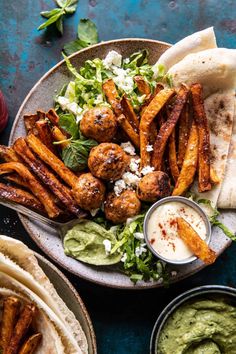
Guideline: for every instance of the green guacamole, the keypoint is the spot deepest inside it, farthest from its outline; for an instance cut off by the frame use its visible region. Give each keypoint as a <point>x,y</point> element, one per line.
<point>205,326</point>
<point>85,243</point>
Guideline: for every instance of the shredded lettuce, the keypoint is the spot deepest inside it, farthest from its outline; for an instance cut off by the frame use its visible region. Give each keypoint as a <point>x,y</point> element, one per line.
<point>213,218</point>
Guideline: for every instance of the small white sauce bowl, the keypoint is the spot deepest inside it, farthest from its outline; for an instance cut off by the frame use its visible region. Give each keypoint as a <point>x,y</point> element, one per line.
<point>187,202</point>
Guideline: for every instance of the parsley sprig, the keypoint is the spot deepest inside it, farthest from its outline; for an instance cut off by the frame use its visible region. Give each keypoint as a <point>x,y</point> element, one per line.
<point>65,7</point>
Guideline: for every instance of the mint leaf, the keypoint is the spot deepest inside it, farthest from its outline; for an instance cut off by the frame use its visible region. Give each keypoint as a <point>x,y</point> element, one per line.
<point>75,155</point>
<point>59,25</point>
<point>51,20</point>
<point>48,14</point>
<point>87,31</point>
<point>68,123</point>
<point>74,46</point>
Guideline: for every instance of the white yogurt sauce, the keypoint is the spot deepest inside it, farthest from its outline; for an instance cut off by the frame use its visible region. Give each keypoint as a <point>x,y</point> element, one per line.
<point>162,229</point>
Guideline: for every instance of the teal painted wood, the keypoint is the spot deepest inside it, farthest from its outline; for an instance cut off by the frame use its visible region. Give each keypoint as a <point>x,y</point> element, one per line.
<point>123,320</point>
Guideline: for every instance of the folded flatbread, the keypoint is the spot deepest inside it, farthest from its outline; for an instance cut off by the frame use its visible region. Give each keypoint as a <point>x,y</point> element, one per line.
<point>215,69</point>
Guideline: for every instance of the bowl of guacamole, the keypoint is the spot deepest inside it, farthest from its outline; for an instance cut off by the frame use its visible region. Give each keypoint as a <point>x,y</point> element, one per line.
<point>199,321</point>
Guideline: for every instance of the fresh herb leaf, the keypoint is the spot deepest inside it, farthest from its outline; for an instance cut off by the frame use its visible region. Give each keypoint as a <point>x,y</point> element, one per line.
<point>51,20</point>
<point>67,122</point>
<point>67,4</point>
<point>48,14</point>
<point>75,155</point>
<point>87,31</point>
<point>169,80</point>
<point>215,221</point>
<point>74,46</point>
<point>59,25</point>
<point>137,59</point>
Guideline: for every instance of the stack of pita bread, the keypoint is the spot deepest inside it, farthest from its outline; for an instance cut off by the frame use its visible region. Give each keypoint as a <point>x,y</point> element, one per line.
<point>197,58</point>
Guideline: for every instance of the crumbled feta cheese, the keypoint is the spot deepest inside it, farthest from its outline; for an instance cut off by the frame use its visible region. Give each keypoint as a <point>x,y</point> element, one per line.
<point>141,99</point>
<point>146,170</point>
<point>139,235</point>
<point>107,245</point>
<point>140,249</point>
<point>99,99</point>
<point>93,212</point>
<point>63,102</point>
<point>128,147</point>
<point>123,80</point>
<point>134,166</point>
<point>126,60</point>
<point>124,257</point>
<point>129,220</point>
<point>149,148</point>
<point>130,178</point>
<point>72,107</point>
<point>120,185</point>
<point>112,58</point>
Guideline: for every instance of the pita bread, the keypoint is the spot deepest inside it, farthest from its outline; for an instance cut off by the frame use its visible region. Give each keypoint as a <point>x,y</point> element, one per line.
<point>17,260</point>
<point>196,42</point>
<point>215,69</point>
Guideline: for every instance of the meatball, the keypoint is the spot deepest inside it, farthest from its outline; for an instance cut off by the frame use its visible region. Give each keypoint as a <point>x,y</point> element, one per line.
<point>119,208</point>
<point>108,161</point>
<point>99,123</point>
<point>89,192</point>
<point>153,186</point>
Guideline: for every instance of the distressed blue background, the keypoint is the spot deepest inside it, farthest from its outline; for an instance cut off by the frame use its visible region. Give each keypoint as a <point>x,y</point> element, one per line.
<point>123,320</point>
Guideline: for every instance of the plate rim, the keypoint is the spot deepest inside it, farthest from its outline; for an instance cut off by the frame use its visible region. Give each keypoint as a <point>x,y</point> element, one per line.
<point>24,220</point>
<point>75,294</point>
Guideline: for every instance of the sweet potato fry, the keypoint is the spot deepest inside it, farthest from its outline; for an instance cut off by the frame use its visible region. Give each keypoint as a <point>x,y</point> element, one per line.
<point>213,176</point>
<point>21,328</point>
<point>8,154</point>
<point>129,113</point>
<point>46,176</point>
<point>147,118</point>
<point>150,97</point>
<point>167,128</point>
<point>143,85</point>
<point>112,96</point>
<point>59,136</point>
<point>172,156</point>
<point>15,178</point>
<point>45,135</point>
<point>31,344</point>
<point>11,308</point>
<point>35,186</point>
<point>127,127</point>
<point>53,117</point>
<point>189,166</point>
<point>30,120</point>
<point>41,115</point>
<point>52,160</point>
<point>20,196</point>
<point>204,183</point>
<point>183,134</point>
<point>194,242</point>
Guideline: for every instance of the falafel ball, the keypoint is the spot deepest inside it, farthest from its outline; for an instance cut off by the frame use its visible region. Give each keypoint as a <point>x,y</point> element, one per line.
<point>153,186</point>
<point>107,161</point>
<point>89,192</point>
<point>99,123</point>
<point>119,208</point>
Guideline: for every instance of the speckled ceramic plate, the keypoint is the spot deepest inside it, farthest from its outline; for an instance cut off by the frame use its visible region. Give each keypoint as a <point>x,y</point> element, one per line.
<point>70,296</point>
<point>41,97</point>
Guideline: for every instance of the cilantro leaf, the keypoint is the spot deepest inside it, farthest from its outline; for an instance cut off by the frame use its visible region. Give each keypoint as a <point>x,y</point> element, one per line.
<point>87,31</point>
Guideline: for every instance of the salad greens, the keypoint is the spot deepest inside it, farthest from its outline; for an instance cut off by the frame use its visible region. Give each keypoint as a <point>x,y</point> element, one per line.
<point>65,7</point>
<point>87,35</point>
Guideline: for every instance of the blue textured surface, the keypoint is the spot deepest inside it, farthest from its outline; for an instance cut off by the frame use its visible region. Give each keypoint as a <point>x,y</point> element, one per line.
<point>123,320</point>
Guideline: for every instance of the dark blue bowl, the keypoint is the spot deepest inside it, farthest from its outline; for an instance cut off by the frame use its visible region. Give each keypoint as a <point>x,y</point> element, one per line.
<point>179,300</point>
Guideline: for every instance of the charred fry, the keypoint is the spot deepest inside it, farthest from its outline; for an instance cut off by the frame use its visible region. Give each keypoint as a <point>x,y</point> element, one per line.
<point>204,183</point>
<point>46,176</point>
<point>8,154</point>
<point>31,344</point>
<point>172,157</point>
<point>150,97</point>
<point>16,195</point>
<point>183,134</point>
<point>167,128</point>
<point>194,242</point>
<point>35,186</point>
<point>129,113</point>
<point>30,120</point>
<point>143,85</point>
<point>111,93</point>
<point>21,328</point>
<point>15,178</point>
<point>59,136</point>
<point>53,117</point>
<point>126,126</point>
<point>189,167</point>
<point>11,307</point>
<point>147,118</point>
<point>50,159</point>
<point>45,135</point>
<point>41,115</point>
